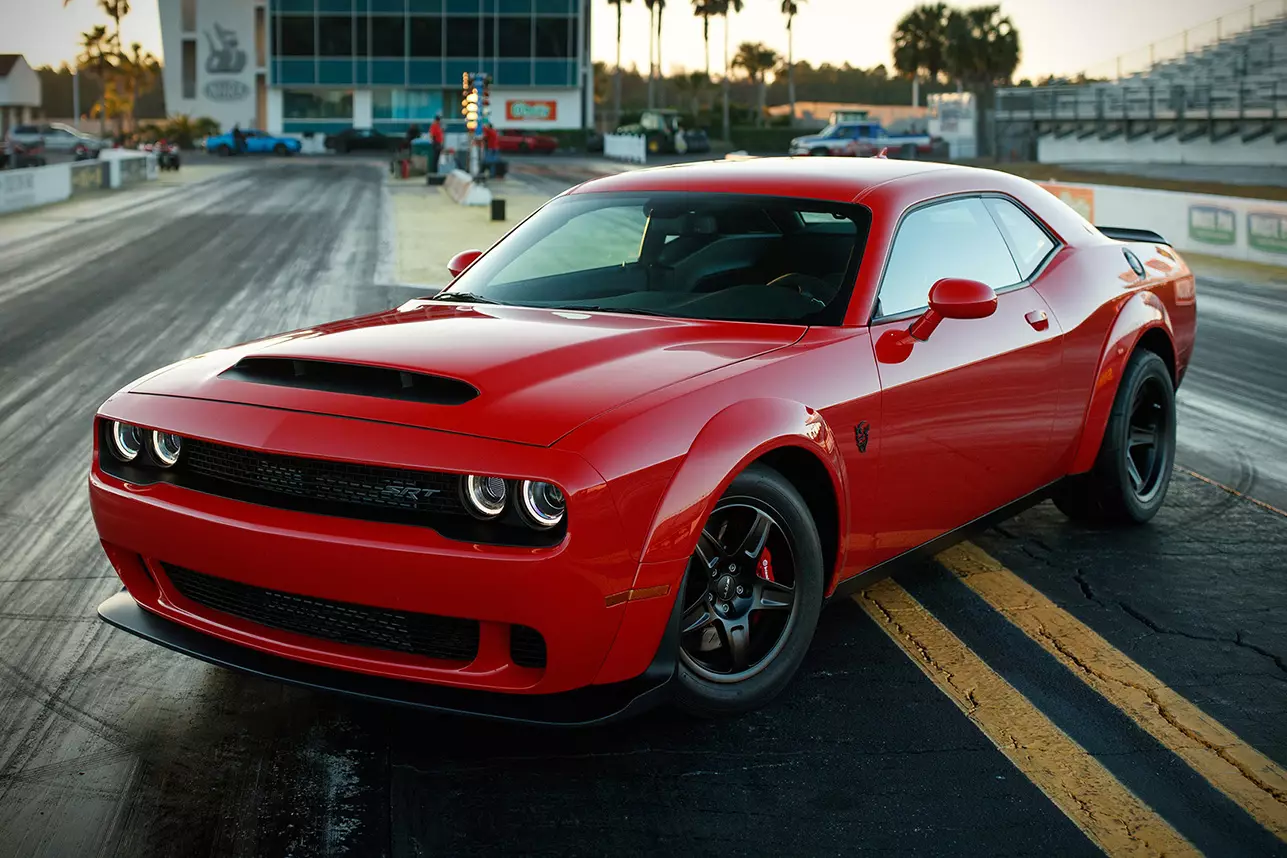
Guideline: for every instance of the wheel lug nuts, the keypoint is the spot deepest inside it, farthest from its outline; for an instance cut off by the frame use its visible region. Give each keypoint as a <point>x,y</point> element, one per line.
<point>741,590</point>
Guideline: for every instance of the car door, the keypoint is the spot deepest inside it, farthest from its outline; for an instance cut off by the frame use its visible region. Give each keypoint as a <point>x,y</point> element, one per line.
<point>967,414</point>
<point>255,142</point>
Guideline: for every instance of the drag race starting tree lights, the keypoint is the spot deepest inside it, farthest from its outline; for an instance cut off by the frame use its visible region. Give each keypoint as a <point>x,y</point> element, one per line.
<point>475,106</point>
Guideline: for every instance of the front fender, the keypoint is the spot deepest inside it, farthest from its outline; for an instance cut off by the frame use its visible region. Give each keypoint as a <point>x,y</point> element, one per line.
<point>1141,313</point>
<point>730,441</point>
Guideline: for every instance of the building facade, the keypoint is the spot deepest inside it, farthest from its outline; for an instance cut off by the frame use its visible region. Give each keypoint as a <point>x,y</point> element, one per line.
<point>296,66</point>
<point>19,92</point>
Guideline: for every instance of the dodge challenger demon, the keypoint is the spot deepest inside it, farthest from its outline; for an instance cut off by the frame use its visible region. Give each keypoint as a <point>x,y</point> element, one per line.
<point>633,449</point>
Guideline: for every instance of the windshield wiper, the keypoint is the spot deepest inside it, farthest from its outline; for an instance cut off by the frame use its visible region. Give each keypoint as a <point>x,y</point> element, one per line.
<point>464,297</point>
<point>628,310</point>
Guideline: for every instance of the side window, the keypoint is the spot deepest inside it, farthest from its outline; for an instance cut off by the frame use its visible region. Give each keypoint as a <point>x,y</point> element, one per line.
<point>1027,241</point>
<point>952,239</point>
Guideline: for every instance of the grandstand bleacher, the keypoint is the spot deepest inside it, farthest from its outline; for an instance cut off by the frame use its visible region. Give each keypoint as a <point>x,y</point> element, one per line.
<point>1223,102</point>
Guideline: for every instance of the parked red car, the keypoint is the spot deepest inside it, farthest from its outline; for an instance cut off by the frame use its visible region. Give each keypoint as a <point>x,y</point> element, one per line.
<point>634,448</point>
<point>513,140</point>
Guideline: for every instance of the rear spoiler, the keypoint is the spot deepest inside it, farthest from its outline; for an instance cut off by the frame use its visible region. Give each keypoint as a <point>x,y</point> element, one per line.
<point>1125,233</point>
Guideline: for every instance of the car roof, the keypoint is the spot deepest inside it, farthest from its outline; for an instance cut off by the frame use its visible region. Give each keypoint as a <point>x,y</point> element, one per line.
<point>834,179</point>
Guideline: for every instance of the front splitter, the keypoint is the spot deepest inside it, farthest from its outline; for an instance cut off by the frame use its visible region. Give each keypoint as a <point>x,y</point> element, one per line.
<point>596,704</point>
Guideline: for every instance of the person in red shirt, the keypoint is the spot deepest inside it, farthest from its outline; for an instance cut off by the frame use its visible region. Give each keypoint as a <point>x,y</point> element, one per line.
<point>491,147</point>
<point>437,137</point>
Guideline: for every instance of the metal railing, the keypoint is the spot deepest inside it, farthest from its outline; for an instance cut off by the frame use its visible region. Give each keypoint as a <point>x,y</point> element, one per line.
<point>1202,36</point>
<point>1152,101</point>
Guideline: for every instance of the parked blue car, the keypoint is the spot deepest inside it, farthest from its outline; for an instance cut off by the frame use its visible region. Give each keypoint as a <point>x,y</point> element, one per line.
<point>257,143</point>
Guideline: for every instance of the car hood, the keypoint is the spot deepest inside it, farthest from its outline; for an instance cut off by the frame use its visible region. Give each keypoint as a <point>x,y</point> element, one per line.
<point>539,373</point>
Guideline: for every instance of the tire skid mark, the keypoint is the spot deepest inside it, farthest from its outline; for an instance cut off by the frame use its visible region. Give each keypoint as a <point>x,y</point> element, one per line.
<point>249,257</point>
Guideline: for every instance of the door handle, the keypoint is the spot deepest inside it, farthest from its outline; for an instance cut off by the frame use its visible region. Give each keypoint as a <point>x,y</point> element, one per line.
<point>1038,320</point>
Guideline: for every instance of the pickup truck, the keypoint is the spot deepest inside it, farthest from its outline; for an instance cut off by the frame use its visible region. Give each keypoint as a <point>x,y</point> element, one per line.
<point>861,139</point>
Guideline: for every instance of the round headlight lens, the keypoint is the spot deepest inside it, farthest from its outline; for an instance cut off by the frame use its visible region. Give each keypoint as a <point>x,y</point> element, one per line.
<point>484,496</point>
<point>126,441</point>
<point>166,448</point>
<point>543,504</point>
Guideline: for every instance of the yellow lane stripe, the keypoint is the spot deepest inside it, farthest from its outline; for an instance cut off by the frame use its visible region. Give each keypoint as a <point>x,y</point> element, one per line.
<point>1250,779</point>
<point>1079,785</point>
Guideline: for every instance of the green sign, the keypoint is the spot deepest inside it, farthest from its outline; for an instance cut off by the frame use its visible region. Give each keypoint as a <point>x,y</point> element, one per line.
<point>1267,231</point>
<point>1212,225</point>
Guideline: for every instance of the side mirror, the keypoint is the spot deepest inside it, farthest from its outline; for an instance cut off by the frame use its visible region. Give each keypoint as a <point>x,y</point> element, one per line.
<point>463,260</point>
<point>954,298</point>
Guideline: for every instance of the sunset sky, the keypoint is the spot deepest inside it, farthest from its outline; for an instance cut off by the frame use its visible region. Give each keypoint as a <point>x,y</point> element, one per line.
<point>1058,37</point>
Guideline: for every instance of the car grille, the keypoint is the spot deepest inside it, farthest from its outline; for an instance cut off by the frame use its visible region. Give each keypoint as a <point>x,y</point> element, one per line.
<point>358,625</point>
<point>526,647</point>
<point>363,491</point>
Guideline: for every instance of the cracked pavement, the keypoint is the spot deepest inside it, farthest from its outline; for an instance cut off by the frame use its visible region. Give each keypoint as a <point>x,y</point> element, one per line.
<point>114,747</point>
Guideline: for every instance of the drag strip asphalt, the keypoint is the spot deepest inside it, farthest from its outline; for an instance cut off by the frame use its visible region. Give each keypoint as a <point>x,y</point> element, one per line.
<point>111,746</point>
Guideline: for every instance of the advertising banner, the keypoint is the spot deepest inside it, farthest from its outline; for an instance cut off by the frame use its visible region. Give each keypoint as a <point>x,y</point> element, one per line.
<point>532,110</point>
<point>88,176</point>
<point>1230,227</point>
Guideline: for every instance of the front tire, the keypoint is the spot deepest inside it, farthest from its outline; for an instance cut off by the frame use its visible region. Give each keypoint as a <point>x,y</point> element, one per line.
<point>281,150</point>
<point>819,152</point>
<point>750,599</point>
<point>1132,472</point>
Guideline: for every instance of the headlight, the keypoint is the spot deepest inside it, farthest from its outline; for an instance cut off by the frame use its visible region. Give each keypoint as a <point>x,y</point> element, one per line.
<point>484,496</point>
<point>541,504</point>
<point>165,448</point>
<point>125,440</point>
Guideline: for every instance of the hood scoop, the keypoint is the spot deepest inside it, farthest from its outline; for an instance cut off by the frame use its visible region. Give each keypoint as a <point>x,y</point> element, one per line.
<point>355,379</point>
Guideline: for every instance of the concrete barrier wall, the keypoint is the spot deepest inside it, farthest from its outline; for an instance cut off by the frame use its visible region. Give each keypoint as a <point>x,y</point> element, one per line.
<point>1231,227</point>
<point>30,187</point>
<point>626,147</point>
<point>34,186</point>
<point>1228,152</point>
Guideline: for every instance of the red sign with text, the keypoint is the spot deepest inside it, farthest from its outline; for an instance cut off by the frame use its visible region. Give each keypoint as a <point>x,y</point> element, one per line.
<point>541,111</point>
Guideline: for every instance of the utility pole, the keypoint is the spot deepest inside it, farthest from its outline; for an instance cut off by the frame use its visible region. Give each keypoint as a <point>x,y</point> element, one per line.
<point>76,97</point>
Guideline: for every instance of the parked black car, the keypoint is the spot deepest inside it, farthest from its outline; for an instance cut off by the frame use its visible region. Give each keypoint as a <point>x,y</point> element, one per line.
<point>355,139</point>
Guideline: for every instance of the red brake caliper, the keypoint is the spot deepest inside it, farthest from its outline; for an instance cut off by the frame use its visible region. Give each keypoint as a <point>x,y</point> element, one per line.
<point>764,566</point>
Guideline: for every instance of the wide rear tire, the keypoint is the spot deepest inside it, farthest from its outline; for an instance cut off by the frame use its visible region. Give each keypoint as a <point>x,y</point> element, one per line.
<point>1132,472</point>
<point>750,599</point>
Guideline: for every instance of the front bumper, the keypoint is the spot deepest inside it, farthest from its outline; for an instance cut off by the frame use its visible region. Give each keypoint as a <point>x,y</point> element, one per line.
<point>578,708</point>
<point>571,593</point>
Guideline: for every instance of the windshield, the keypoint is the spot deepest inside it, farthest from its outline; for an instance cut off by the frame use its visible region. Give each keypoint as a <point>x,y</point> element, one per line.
<point>829,131</point>
<point>689,255</point>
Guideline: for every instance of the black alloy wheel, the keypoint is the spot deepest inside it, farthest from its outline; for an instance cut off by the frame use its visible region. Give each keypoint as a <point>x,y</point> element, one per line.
<point>1146,439</point>
<point>750,598</point>
<point>1132,471</point>
<point>281,149</point>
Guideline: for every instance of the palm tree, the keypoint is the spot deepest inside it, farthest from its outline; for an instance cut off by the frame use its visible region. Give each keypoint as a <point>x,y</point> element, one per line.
<point>725,7</point>
<point>791,8</point>
<point>661,75</point>
<point>116,10</point>
<point>652,49</point>
<point>693,86</point>
<point>616,78</point>
<point>757,60</point>
<point>140,68</point>
<point>706,9</point>
<point>920,43</point>
<point>981,47</point>
<point>96,53</point>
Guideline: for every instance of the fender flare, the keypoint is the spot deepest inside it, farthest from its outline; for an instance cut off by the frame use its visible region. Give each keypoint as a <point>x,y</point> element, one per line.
<point>1139,314</point>
<point>729,442</point>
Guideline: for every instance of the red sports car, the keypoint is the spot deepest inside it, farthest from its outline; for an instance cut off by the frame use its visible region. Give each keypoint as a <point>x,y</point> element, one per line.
<point>513,140</point>
<point>633,449</point>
